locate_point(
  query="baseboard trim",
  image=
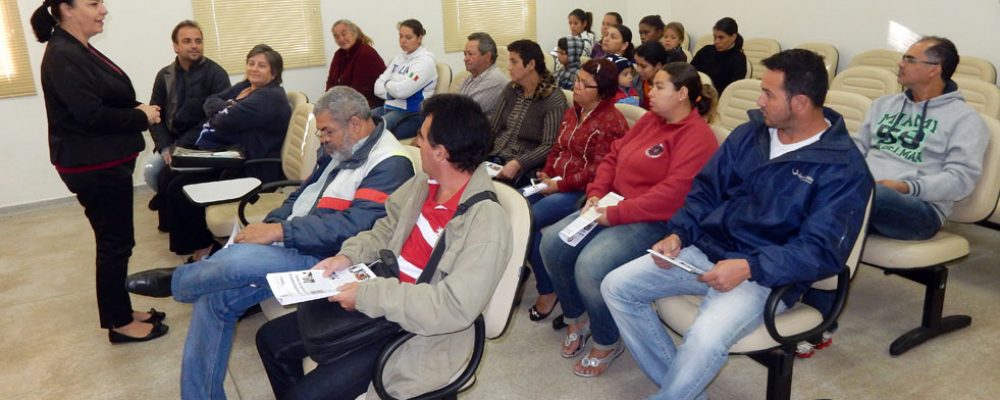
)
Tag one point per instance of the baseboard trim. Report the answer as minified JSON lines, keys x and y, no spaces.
{"x":42,"y":205}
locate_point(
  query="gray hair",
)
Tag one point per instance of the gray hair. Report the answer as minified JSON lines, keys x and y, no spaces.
{"x":342,"y":102}
{"x":486,"y":44}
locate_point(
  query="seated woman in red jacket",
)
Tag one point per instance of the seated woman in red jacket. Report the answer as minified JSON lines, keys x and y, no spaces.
{"x":356,"y":64}
{"x":585,"y":137}
{"x":652,"y":167}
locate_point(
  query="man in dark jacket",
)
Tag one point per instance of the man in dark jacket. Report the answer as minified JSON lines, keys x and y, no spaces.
{"x":780,"y":203}
{"x":344,"y":195}
{"x":180,"y":89}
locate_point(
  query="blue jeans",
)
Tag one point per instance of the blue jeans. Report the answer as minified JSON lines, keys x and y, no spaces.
{"x":222,"y":287}
{"x":577,"y":272}
{"x":901,"y":216}
{"x":723,"y":319}
{"x":545,"y":211}
{"x":403,"y":124}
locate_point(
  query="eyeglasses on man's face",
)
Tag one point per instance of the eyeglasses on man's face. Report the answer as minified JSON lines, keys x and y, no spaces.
{"x":908,"y":59}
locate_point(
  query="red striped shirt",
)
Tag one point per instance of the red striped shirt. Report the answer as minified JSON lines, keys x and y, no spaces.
{"x":417,"y":248}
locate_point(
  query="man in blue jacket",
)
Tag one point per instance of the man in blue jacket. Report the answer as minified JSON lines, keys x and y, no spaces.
{"x":780,"y":203}
{"x":363,"y":163}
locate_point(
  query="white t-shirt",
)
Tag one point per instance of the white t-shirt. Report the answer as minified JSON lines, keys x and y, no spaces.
{"x":778,"y":149}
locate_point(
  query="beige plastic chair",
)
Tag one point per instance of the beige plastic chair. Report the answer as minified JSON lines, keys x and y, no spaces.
{"x":924,"y":261}
{"x":878,"y":58}
{"x":569,"y":97}
{"x":975,"y":67}
{"x":631,"y":113}
{"x":497,"y":315}
{"x":980,"y":95}
{"x":871,"y":82}
{"x":852,"y":106}
{"x":720,"y":133}
{"x":830,"y":55}
{"x":750,"y":69}
{"x":773,"y":343}
{"x":686,"y":44}
{"x":739,"y":97}
{"x":457,"y":80}
{"x":703,"y":41}
{"x":443,"y":79}
{"x":298,"y":158}
{"x":757,"y":50}
{"x":706,"y":80}
{"x":687,"y":54}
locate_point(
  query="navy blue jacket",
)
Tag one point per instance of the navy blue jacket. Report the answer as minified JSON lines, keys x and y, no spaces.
{"x":794,"y":218}
{"x":257,"y":124}
{"x":321,"y":232}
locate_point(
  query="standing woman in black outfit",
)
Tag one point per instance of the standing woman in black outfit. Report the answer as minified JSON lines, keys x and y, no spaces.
{"x":95,"y":135}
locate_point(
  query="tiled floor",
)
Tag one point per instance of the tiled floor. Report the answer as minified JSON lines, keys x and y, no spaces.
{"x":52,"y":348}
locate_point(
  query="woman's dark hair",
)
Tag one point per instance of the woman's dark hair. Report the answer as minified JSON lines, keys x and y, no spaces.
{"x":653,"y":52}
{"x":702,"y":97}
{"x":606,"y":75}
{"x":460,"y":126}
{"x":529,"y":51}
{"x":273,"y":59}
{"x":653,"y":21}
{"x":618,"y":17}
{"x":627,"y":38}
{"x":727,"y":25}
{"x":416,"y":26}
{"x":46,"y":17}
{"x":584,"y":16}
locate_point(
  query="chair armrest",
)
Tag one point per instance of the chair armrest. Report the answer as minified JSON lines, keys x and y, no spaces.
{"x":252,"y":196}
{"x":233,"y":170}
{"x":470,"y":370}
{"x":771,"y":307}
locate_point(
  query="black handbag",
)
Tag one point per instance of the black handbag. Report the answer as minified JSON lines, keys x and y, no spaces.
{"x":329,"y":331}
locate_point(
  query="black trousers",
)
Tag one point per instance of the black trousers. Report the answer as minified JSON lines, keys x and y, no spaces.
{"x":106,"y":197}
{"x":184,"y":220}
{"x":280,"y":346}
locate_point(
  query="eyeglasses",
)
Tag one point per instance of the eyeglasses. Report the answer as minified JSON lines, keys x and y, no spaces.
{"x":580,"y":84}
{"x":913,"y":60}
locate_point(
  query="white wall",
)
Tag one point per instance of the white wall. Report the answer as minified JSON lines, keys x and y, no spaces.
{"x":851,"y":25}
{"x":141,"y":46}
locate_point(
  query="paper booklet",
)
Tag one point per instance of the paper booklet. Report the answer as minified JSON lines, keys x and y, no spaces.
{"x":537,"y":186}
{"x":492,"y":168}
{"x":299,"y":286}
{"x":573,"y":233}
{"x":185,"y":152}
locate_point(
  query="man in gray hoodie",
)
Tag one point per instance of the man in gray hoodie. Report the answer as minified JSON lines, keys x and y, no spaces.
{"x":924,"y":146}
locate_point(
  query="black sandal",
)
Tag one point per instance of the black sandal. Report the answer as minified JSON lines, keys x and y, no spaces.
{"x":535,"y":315}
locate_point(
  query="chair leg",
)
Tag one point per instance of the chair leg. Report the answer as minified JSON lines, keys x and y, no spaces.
{"x":933,"y":324}
{"x":779,"y":363}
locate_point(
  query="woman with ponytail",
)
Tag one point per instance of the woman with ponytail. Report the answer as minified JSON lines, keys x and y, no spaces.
{"x":581,"y":25}
{"x":652,"y":167}
{"x":95,"y":135}
{"x":723,"y":60}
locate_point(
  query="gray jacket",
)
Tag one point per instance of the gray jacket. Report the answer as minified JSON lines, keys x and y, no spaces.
{"x":934,"y":146}
{"x":440,"y":313}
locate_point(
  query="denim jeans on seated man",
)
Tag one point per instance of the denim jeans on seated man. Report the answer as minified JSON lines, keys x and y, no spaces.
{"x":900,"y":216}
{"x":221,"y":292}
{"x":545,"y":211}
{"x":577,"y":272}
{"x":723,"y":319}
{"x":403,"y":124}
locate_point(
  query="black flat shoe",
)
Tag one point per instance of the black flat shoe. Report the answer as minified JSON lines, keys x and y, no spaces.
{"x":154,"y":203}
{"x":152,"y":283}
{"x":155,"y":317}
{"x":159,"y":329}
{"x":558,"y":323}
{"x":535,"y":315}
